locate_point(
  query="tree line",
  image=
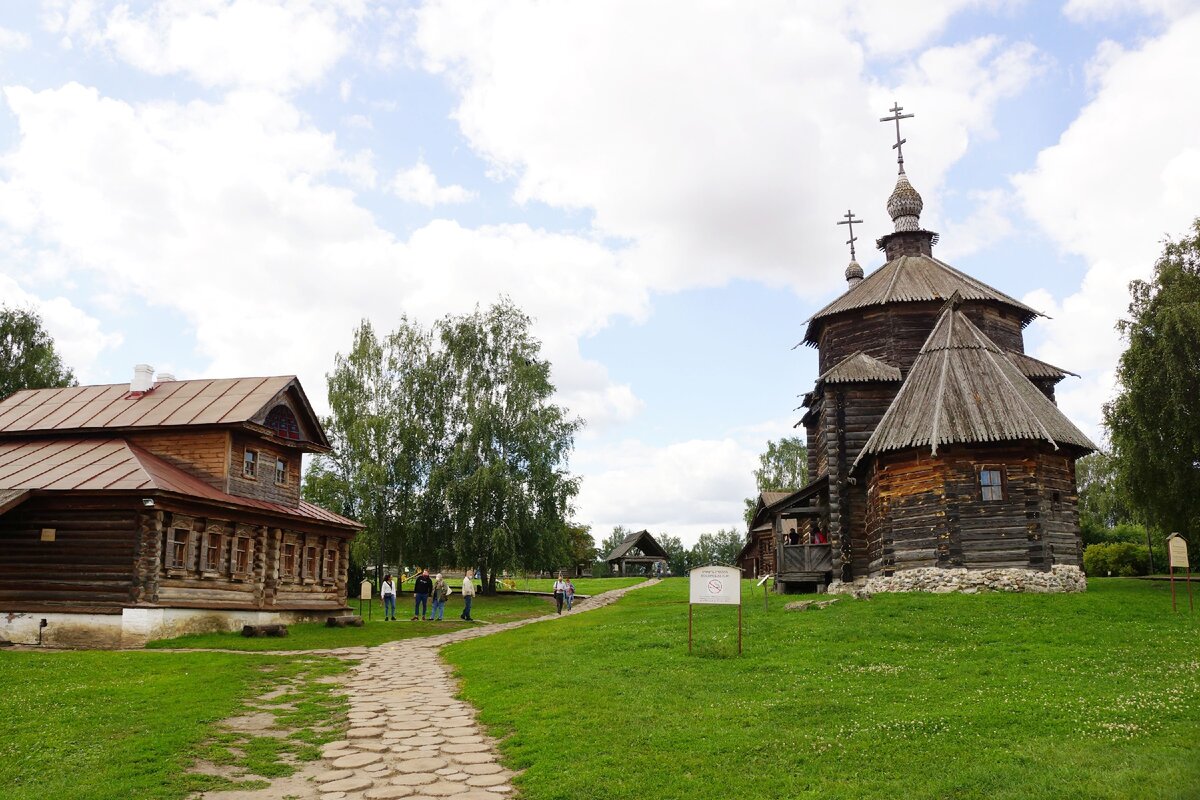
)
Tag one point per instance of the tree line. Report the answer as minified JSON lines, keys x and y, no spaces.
{"x":447,"y":447}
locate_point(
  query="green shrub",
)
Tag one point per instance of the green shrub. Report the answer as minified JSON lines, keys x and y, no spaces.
{"x":1119,"y":559}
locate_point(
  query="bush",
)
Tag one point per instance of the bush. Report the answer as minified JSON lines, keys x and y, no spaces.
{"x":601,"y":570}
{"x":1124,"y":559}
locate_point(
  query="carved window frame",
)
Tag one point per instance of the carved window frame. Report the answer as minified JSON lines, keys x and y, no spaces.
{"x":175,"y":537}
{"x":289,"y":561}
{"x":243,"y":541}
{"x":329,"y":565}
{"x":312,"y":562}
{"x":214,"y":543}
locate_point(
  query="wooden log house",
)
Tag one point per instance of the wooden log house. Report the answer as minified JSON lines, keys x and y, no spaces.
{"x":138,"y":511}
{"x":933,"y":439}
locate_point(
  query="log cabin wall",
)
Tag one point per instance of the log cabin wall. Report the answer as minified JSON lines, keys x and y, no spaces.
{"x":202,"y":454}
{"x":85,"y":562}
{"x":262,"y":484}
{"x":928,"y":511}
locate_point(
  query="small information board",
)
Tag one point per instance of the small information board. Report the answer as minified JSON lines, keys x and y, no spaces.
{"x":1177,"y":558}
{"x":364,"y":590}
{"x":715,"y":586}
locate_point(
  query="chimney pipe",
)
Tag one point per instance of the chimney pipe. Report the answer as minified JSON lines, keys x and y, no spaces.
{"x":164,"y":377}
{"x":143,"y":379}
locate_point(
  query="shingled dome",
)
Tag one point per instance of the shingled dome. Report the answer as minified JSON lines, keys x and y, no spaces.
{"x":962,"y":388}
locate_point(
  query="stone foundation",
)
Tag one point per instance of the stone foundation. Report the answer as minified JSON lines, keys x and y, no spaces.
{"x":1060,"y":578}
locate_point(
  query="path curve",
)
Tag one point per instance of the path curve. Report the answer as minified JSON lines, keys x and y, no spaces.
{"x":409,"y":737}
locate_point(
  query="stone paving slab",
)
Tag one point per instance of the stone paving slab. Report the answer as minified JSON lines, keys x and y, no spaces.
{"x":409,"y":737}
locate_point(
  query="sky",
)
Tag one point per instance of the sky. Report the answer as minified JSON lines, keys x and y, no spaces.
{"x":225,"y":188}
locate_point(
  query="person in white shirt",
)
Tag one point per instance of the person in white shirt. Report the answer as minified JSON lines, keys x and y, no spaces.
{"x":468,"y":591}
{"x":560,"y":591}
{"x":388,"y":592}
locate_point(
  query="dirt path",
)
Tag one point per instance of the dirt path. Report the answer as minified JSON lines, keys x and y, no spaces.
{"x":409,"y":737}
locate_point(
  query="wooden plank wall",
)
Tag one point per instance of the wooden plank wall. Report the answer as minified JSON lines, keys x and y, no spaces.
{"x":89,"y":564}
{"x":263,"y":485}
{"x":198,"y":453}
{"x":925,"y":511}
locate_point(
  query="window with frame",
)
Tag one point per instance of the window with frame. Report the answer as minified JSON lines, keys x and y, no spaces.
{"x":280,"y":471}
{"x":212,"y":551}
{"x":310,"y":563}
{"x":241,"y":555}
{"x":330,"y":573}
{"x":991,"y":484}
{"x":288,"y":565}
{"x":178,"y":541}
{"x":250,"y":464}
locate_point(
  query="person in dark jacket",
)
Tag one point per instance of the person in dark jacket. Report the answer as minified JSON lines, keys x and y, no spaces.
{"x":421,"y":589}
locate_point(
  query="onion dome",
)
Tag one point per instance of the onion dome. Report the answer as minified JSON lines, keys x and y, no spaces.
{"x":904,"y":206}
{"x":854,"y":274}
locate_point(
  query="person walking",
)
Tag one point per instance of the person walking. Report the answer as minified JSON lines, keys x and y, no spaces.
{"x":440,"y":592}
{"x":569,"y":593}
{"x":468,"y":590}
{"x":422,"y":586}
{"x":387,"y":591}
{"x":560,"y":588}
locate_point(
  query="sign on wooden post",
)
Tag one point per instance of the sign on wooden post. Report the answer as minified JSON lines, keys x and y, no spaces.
{"x":1177,"y":557}
{"x":715,"y":586}
{"x":364,"y":593}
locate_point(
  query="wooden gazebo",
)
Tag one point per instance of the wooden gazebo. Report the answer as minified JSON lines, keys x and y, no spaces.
{"x":638,"y":548}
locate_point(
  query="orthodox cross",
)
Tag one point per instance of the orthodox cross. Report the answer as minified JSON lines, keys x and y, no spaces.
{"x":850,"y":222}
{"x":897,"y":116}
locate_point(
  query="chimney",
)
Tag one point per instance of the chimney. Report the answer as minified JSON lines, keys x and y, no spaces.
{"x":143,"y":379}
{"x":164,"y":377}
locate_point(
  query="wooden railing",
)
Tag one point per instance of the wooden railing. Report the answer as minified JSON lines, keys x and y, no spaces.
{"x":807,"y":558}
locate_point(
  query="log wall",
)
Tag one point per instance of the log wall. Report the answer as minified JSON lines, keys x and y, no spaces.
{"x":89,"y":564}
{"x":924,"y":511}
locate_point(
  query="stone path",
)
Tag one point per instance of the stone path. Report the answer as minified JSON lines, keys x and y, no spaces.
{"x":409,"y":737}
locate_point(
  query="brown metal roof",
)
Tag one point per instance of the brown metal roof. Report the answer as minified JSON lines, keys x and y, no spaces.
{"x":913,"y":279}
{"x":174,"y":403}
{"x":78,"y":464}
{"x":962,"y":388}
{"x":860,"y":368}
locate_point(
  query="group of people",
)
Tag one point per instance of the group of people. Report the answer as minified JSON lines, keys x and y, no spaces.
{"x":564,"y":593}
{"x":429,"y":597}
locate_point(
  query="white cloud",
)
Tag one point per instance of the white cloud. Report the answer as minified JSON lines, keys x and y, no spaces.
{"x":276,"y":44}
{"x":13,"y":41}
{"x":226,"y":214}
{"x":721,"y":142}
{"x":1121,"y":178}
{"x":1089,"y":10}
{"x":418,"y":184}
{"x":78,"y":336}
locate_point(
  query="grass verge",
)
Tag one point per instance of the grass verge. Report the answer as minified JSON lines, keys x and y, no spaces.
{"x":917,"y":696}
{"x":375,"y":631}
{"x":98,"y":725}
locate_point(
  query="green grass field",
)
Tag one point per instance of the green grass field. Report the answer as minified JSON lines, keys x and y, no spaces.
{"x":375,"y":631}
{"x":914,"y":696}
{"x":106,"y":725}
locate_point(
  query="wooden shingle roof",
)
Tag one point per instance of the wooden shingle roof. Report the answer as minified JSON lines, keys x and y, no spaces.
{"x":962,"y":388}
{"x":641,"y":540}
{"x":909,"y":279}
{"x":860,"y":368}
{"x":1033,"y":368}
{"x":172,"y":404}
{"x":112,"y":464}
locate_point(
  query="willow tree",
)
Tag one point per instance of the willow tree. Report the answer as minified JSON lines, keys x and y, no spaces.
{"x":503,"y":478}
{"x":28,"y":359}
{"x":1154,"y":421}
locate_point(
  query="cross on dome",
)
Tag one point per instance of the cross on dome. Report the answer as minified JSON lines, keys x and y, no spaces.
{"x":896,"y":117}
{"x":850,"y":221}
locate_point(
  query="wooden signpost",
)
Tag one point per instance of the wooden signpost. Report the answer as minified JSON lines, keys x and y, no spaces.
{"x":715,"y":585}
{"x":364,"y":593}
{"x":1177,"y":556}
{"x":763,"y":583}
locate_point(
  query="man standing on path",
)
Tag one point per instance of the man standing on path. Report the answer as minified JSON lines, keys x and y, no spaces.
{"x":560,"y":589}
{"x":422,"y":586}
{"x":468,"y":591}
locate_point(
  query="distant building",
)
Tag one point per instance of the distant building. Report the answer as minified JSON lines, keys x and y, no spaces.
{"x":137,"y":511}
{"x":933,"y":439}
{"x":638,"y":554}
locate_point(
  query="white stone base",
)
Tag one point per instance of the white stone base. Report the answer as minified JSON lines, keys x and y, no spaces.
{"x":1060,"y":578}
{"x":133,"y":627}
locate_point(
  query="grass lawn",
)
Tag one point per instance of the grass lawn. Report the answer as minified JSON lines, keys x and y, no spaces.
{"x":588,"y":586}
{"x":375,"y":631}
{"x":902,"y":696}
{"x":93,"y":725}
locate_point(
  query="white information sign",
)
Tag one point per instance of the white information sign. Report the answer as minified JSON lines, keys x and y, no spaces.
{"x":716,"y":586}
{"x":1177,"y":550}
{"x":364,"y":590}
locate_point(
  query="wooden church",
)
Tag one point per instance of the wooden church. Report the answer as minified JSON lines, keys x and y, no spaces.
{"x":158,"y":507}
{"x":933,"y":439}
